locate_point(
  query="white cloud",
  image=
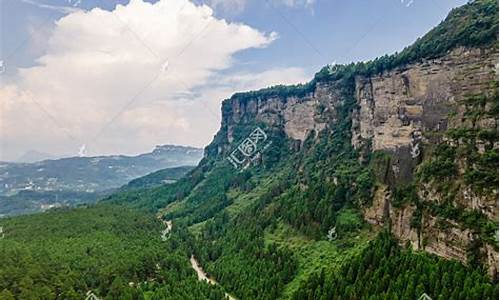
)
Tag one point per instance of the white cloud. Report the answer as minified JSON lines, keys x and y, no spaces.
{"x":101,"y":82}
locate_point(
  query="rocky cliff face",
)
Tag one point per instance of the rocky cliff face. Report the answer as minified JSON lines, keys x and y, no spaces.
{"x":402,"y":112}
{"x":397,"y":108}
{"x":297,"y":116}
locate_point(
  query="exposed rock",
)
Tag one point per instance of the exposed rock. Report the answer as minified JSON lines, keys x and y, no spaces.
{"x":492,"y":259}
{"x":401,"y":226}
{"x":395,"y":108}
{"x":376,"y":213}
{"x":398,"y":112}
{"x":299,"y":118}
{"x":450,"y":242}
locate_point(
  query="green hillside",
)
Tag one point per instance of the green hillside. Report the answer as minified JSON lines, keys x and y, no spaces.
{"x":110,"y":250}
{"x":290,"y":225}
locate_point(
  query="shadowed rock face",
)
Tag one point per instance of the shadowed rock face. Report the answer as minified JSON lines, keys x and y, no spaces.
{"x":397,"y":112}
{"x":397,"y":107}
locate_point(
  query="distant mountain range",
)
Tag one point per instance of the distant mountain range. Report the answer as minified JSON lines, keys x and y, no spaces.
{"x":375,"y":180}
{"x":34,"y":156}
{"x":31,"y":187}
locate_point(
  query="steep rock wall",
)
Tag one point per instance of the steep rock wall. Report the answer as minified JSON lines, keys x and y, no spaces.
{"x":397,"y":113}
{"x":396,"y":108}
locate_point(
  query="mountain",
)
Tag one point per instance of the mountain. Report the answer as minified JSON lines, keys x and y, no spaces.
{"x":161,"y":177}
{"x":34,"y":156}
{"x":406,"y":144}
{"x":92,"y":174}
{"x":28,"y":188}
{"x":376,"y":180}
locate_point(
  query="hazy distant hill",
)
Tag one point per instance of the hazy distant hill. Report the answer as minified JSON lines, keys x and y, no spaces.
{"x":164,"y":176}
{"x":29,"y":201}
{"x":91,"y":174}
{"x":34,"y":187}
{"x":376,"y":180}
{"x":34,"y":156}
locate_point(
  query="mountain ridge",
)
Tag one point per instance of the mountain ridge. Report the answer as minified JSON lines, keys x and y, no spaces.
{"x":128,"y":168}
{"x":364,"y":136}
{"x":374,"y":181}
{"x":35,"y":187}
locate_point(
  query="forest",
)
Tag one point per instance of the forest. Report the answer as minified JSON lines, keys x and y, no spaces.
{"x":385,"y":271}
{"x":111,"y":251}
{"x":292,"y":225}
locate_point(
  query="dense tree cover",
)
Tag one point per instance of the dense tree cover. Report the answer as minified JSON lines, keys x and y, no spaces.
{"x":62,"y":254}
{"x":158,"y":178}
{"x":299,"y":90}
{"x":153,"y":199}
{"x":233,"y":250}
{"x":385,"y":271}
{"x":113,"y":251}
{"x":27,"y":201}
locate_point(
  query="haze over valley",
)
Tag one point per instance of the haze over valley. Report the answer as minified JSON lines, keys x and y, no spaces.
{"x":340,"y":150}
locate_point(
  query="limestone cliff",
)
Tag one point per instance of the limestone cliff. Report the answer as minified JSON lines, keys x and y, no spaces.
{"x":403,"y":112}
{"x":425,"y":120}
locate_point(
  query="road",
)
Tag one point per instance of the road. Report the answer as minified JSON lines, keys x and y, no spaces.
{"x":202,"y":276}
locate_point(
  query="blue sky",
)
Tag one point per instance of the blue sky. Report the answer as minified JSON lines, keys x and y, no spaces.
{"x":310,"y":36}
{"x":77,"y":67}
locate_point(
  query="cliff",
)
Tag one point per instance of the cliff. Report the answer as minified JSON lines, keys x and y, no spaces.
{"x":407,"y":113}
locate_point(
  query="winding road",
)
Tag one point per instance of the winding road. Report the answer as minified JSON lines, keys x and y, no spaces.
{"x":202,"y":276}
{"x":166,"y":231}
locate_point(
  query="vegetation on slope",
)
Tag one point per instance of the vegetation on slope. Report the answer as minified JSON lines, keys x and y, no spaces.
{"x":158,"y":178}
{"x":385,"y":271}
{"x":310,"y":192}
{"x":113,"y":251}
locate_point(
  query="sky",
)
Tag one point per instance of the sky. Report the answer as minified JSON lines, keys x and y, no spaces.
{"x":101,"y":77}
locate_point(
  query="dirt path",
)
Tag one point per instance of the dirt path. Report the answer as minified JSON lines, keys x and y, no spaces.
{"x":168,"y":228}
{"x":202,"y":276}
{"x":166,"y":231}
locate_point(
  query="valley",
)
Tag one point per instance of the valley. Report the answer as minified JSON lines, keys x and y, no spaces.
{"x":375,"y":180}
{"x":34,"y":187}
